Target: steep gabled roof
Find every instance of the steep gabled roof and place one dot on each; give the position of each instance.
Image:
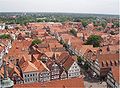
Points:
(27, 66)
(40, 65)
(15, 70)
(68, 62)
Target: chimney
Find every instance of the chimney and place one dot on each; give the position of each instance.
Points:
(17, 62)
(108, 48)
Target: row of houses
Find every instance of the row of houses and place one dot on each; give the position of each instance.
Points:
(4, 26)
(55, 69)
(49, 61)
(101, 59)
(44, 62)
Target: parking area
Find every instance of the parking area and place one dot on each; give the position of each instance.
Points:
(95, 84)
(92, 82)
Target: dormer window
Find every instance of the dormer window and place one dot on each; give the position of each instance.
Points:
(111, 63)
(118, 62)
(106, 63)
(115, 63)
(102, 64)
(93, 60)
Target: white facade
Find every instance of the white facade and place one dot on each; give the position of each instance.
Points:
(1, 56)
(55, 71)
(30, 77)
(74, 70)
(63, 75)
(2, 26)
(10, 26)
(44, 76)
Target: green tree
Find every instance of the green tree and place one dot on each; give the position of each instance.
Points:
(116, 24)
(84, 23)
(99, 29)
(79, 59)
(103, 24)
(61, 42)
(36, 41)
(73, 32)
(86, 66)
(4, 36)
(94, 40)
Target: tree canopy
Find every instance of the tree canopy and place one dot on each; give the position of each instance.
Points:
(5, 36)
(116, 24)
(73, 32)
(94, 40)
(84, 23)
(36, 41)
(79, 59)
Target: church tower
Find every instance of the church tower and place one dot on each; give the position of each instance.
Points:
(6, 81)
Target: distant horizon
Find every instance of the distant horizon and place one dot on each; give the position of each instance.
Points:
(61, 6)
(59, 12)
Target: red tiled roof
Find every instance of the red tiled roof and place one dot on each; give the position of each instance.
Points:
(67, 83)
(67, 64)
(116, 72)
(106, 58)
(40, 65)
(27, 66)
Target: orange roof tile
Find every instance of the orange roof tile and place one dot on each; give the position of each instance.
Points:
(107, 58)
(68, 62)
(40, 66)
(67, 83)
(116, 72)
(28, 67)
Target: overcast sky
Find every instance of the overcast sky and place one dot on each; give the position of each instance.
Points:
(74, 6)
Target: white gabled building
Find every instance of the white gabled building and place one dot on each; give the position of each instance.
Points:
(74, 70)
(70, 65)
(30, 72)
(35, 71)
(44, 72)
(2, 26)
